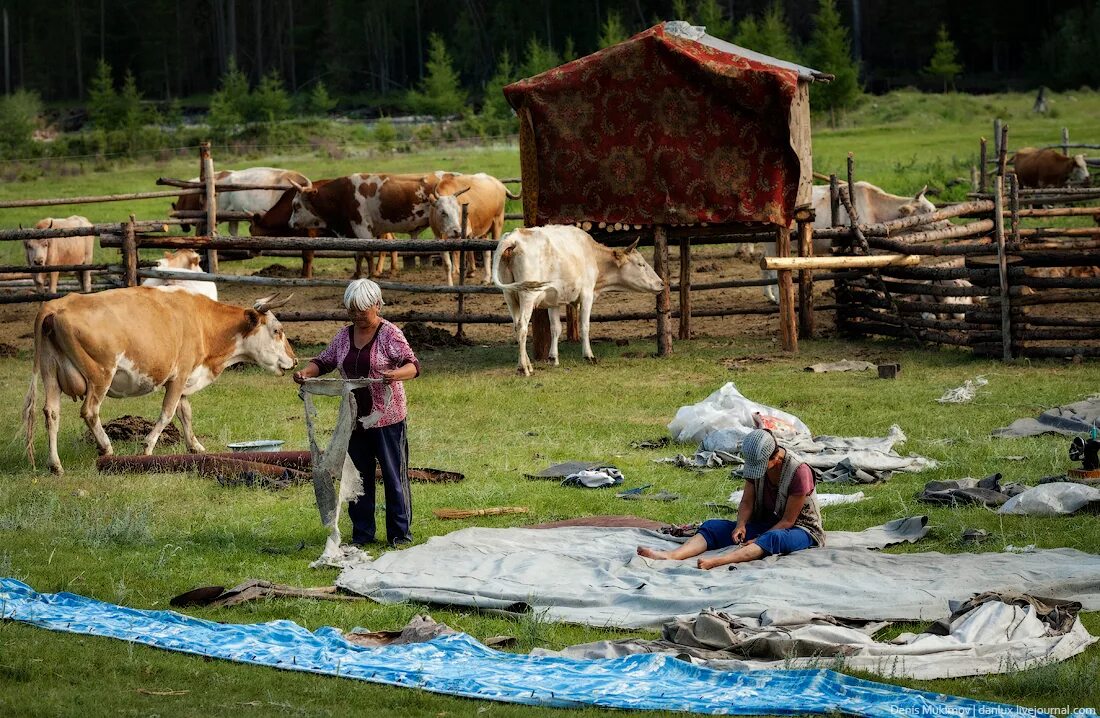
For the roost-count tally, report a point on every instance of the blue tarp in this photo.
(459, 665)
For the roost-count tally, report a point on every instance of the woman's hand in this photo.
(390, 376)
(298, 377)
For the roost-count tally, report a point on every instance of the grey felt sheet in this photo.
(1077, 418)
(593, 576)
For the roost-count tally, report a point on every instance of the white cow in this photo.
(183, 262)
(252, 201)
(552, 266)
(60, 251)
(947, 301)
(873, 205)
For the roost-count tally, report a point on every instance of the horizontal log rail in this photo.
(975, 246)
(188, 185)
(110, 268)
(883, 229)
(317, 282)
(300, 243)
(18, 235)
(201, 214)
(91, 199)
(839, 262)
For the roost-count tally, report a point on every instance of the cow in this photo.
(556, 265)
(182, 262)
(250, 200)
(484, 197)
(275, 222)
(367, 206)
(132, 341)
(947, 301)
(1049, 168)
(872, 204)
(60, 251)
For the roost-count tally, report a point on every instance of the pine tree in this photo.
(748, 34)
(680, 11)
(709, 14)
(776, 35)
(319, 101)
(231, 104)
(944, 63)
(131, 114)
(270, 101)
(830, 51)
(494, 107)
(612, 32)
(539, 58)
(102, 98)
(439, 92)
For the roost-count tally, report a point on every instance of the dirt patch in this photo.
(424, 337)
(707, 268)
(135, 428)
(278, 270)
(7, 350)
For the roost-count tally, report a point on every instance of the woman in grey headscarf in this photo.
(372, 347)
(778, 512)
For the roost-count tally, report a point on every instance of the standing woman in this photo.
(374, 348)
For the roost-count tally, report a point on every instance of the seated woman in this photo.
(778, 513)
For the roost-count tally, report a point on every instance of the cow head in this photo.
(634, 272)
(446, 214)
(302, 213)
(918, 205)
(187, 259)
(38, 249)
(1080, 172)
(263, 340)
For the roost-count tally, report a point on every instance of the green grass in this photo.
(140, 539)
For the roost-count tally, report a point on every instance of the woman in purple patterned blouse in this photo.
(374, 348)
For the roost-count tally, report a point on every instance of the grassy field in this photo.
(140, 539)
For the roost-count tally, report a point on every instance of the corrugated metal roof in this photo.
(699, 34)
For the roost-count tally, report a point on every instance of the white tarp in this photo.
(1054, 499)
(594, 576)
(726, 409)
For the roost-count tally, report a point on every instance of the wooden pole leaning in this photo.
(685, 288)
(788, 330)
(806, 319)
(462, 272)
(1002, 260)
(983, 161)
(130, 253)
(210, 200)
(664, 310)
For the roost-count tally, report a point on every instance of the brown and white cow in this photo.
(275, 222)
(250, 200)
(183, 262)
(484, 197)
(367, 206)
(872, 204)
(1049, 168)
(60, 251)
(132, 341)
(556, 265)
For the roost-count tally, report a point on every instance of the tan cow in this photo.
(484, 197)
(132, 341)
(60, 251)
(1049, 168)
(552, 266)
(250, 201)
(182, 262)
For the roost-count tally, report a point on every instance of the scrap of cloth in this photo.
(1078, 418)
(458, 665)
(594, 576)
(335, 478)
(993, 633)
(987, 492)
(1054, 499)
(842, 365)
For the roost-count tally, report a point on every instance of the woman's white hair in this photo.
(362, 294)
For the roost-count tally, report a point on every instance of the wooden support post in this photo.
(462, 272)
(1002, 259)
(685, 288)
(834, 201)
(806, 319)
(997, 137)
(130, 253)
(788, 331)
(982, 162)
(211, 203)
(1002, 154)
(664, 309)
(572, 323)
(1065, 140)
(540, 334)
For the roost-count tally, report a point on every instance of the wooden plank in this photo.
(660, 265)
(210, 204)
(788, 329)
(130, 255)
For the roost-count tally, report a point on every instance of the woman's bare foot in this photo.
(651, 553)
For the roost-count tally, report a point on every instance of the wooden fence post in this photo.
(1002, 152)
(788, 331)
(130, 253)
(1002, 267)
(664, 311)
(572, 324)
(982, 167)
(1065, 140)
(685, 288)
(211, 204)
(806, 320)
(462, 272)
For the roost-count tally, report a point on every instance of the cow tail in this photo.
(505, 249)
(509, 195)
(32, 392)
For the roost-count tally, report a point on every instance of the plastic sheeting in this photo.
(726, 409)
(595, 577)
(1054, 499)
(459, 665)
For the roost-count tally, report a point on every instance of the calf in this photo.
(1049, 168)
(183, 262)
(60, 251)
(484, 197)
(132, 341)
(550, 267)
